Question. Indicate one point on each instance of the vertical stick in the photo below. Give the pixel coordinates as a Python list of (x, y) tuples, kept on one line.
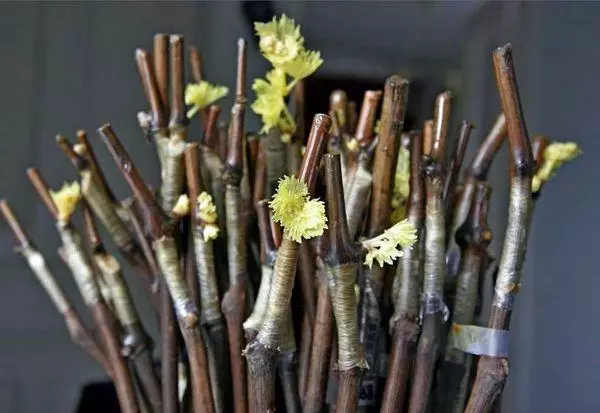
[(261, 353), (318, 369), (82, 272), (405, 327), (434, 267), (168, 261), (167, 326), (474, 237), (477, 171), (358, 188), (493, 371), (384, 164), (36, 262), (464, 131), (233, 304), (137, 345), (176, 70), (161, 67), (202, 251), (341, 265)]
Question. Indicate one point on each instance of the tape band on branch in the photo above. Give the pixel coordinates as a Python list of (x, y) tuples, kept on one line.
[(481, 341)]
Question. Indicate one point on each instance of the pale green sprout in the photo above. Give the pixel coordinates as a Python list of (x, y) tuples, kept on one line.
[(280, 40), (304, 65), (201, 95), (401, 185), (207, 212), (300, 216), (385, 248), (66, 200), (281, 44), (352, 145), (555, 155), (270, 103), (182, 207)]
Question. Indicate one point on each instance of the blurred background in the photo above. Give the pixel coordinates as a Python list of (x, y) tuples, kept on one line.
[(67, 66)]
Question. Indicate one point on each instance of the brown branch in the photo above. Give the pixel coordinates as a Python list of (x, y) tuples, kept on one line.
[(167, 326), (306, 275), (492, 372), (489, 147), (233, 304), (261, 353), (151, 210), (223, 136), (341, 265), (149, 83), (427, 135), (434, 266), (386, 153), (384, 165), (176, 54), (86, 150), (368, 110), (474, 237), (405, 327), (210, 138), (103, 318), (260, 175), (196, 66), (294, 148), (453, 170), (160, 56), (304, 356), (318, 369), (250, 167), (477, 172), (98, 195), (79, 334), (136, 342), (358, 182), (195, 63), (164, 245), (213, 165), (42, 189), (202, 251)]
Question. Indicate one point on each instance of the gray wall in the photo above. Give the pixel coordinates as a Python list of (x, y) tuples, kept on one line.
[(66, 67)]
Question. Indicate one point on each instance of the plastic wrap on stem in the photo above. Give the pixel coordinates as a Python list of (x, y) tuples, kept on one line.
[(168, 261), (513, 252), (105, 210), (465, 299), (122, 302), (236, 237), (172, 173), (212, 164), (434, 268), (274, 325), (357, 197), (408, 284), (254, 322), (341, 280), (205, 268), (42, 272), (78, 263)]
